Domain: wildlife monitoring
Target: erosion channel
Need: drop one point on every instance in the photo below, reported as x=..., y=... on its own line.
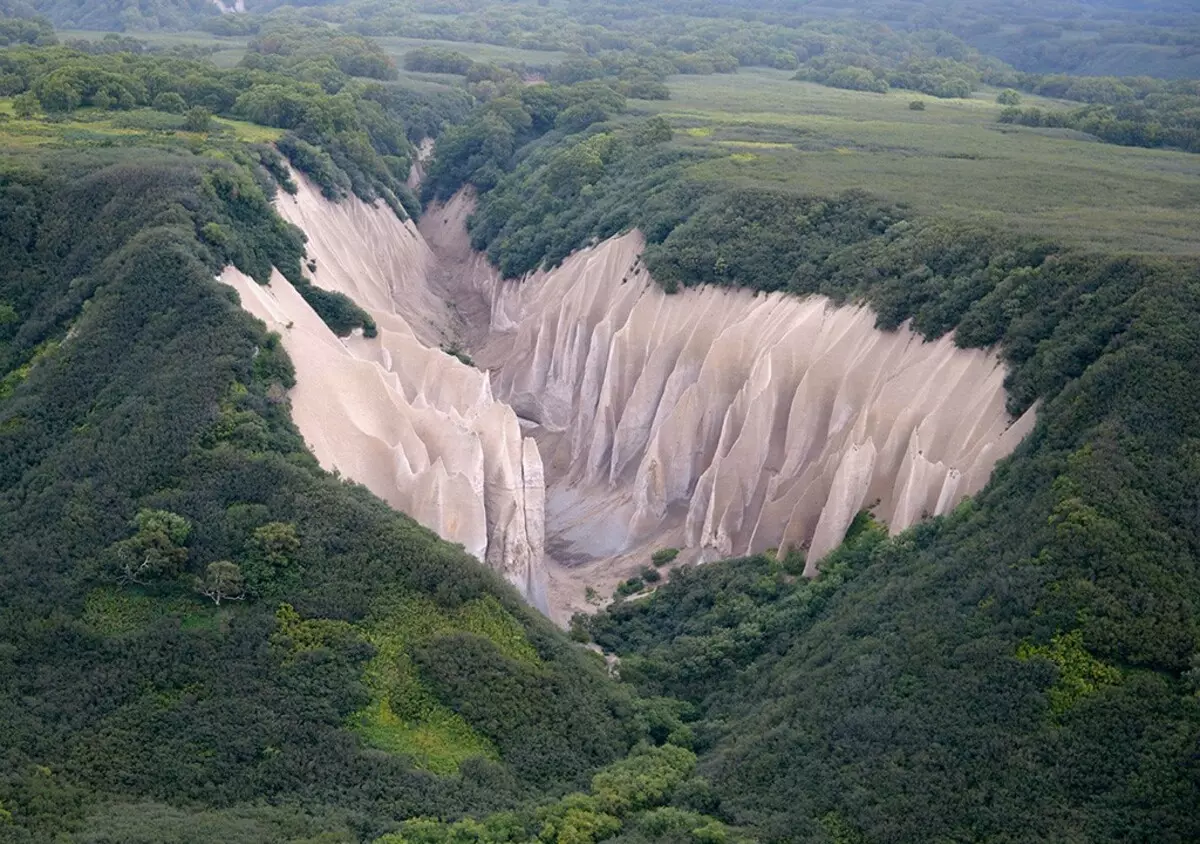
x=564, y=426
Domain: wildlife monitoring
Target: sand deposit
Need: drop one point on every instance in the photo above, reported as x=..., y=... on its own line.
x=714, y=420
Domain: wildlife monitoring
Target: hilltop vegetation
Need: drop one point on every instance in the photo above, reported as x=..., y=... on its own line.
x=205, y=637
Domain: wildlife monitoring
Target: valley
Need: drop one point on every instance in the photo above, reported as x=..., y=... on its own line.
x=601, y=419
x=542, y=422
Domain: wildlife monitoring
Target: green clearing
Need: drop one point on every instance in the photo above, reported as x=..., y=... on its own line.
x=112, y=612
x=228, y=50
x=90, y=126
x=952, y=159
x=251, y=133
x=398, y=47
x=404, y=716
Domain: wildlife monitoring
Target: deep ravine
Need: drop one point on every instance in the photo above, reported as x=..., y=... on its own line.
x=605, y=419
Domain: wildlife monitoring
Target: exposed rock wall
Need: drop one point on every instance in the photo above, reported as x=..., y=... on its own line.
x=724, y=420
x=395, y=412
x=715, y=420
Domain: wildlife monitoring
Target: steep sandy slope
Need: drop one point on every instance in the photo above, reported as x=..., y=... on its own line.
x=713, y=420
x=717, y=419
x=394, y=412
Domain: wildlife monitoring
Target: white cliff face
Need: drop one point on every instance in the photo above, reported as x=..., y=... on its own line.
x=721, y=420
x=413, y=424
x=714, y=420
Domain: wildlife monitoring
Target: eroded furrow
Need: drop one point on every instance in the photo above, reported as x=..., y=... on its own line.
x=608, y=419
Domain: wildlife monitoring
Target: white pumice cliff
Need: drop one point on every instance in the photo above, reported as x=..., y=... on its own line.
x=410, y=422
x=714, y=420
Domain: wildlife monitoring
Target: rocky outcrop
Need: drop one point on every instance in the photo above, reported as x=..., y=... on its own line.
x=412, y=423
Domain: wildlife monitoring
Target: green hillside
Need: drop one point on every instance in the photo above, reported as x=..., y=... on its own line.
x=205, y=637
x=143, y=442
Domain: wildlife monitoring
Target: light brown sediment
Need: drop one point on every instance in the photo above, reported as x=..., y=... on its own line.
x=714, y=420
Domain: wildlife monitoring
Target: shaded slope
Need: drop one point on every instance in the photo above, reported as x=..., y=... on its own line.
x=161, y=393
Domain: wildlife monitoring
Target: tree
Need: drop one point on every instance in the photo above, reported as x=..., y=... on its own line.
x=1008, y=97
x=271, y=557
x=917, y=105
x=25, y=105
x=223, y=581
x=644, y=778
x=656, y=130
x=197, y=119
x=155, y=551
x=663, y=556
x=57, y=95
x=170, y=102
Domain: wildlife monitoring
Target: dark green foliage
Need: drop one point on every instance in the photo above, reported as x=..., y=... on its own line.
x=222, y=581
x=664, y=556
x=155, y=552
x=311, y=52
x=150, y=713
x=435, y=60
x=482, y=149
x=170, y=102
x=347, y=135
x=271, y=566
x=197, y=119
x=548, y=728
x=563, y=194
x=640, y=799
x=21, y=30
x=337, y=310
x=631, y=586
x=1173, y=124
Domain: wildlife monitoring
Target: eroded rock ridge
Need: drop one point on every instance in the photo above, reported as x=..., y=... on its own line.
x=395, y=412
x=714, y=420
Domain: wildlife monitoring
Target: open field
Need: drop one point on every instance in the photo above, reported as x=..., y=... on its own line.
x=952, y=159
x=88, y=126
x=397, y=47
x=229, y=53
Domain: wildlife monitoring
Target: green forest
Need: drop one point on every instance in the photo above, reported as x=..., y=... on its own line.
x=206, y=637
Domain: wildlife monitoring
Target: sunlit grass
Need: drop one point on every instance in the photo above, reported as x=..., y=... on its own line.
x=404, y=716
x=756, y=144
x=249, y=132
x=951, y=159
x=398, y=47
x=92, y=126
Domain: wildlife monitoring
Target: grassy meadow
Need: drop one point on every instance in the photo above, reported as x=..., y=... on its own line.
x=96, y=127
x=398, y=47
x=952, y=159
x=228, y=50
